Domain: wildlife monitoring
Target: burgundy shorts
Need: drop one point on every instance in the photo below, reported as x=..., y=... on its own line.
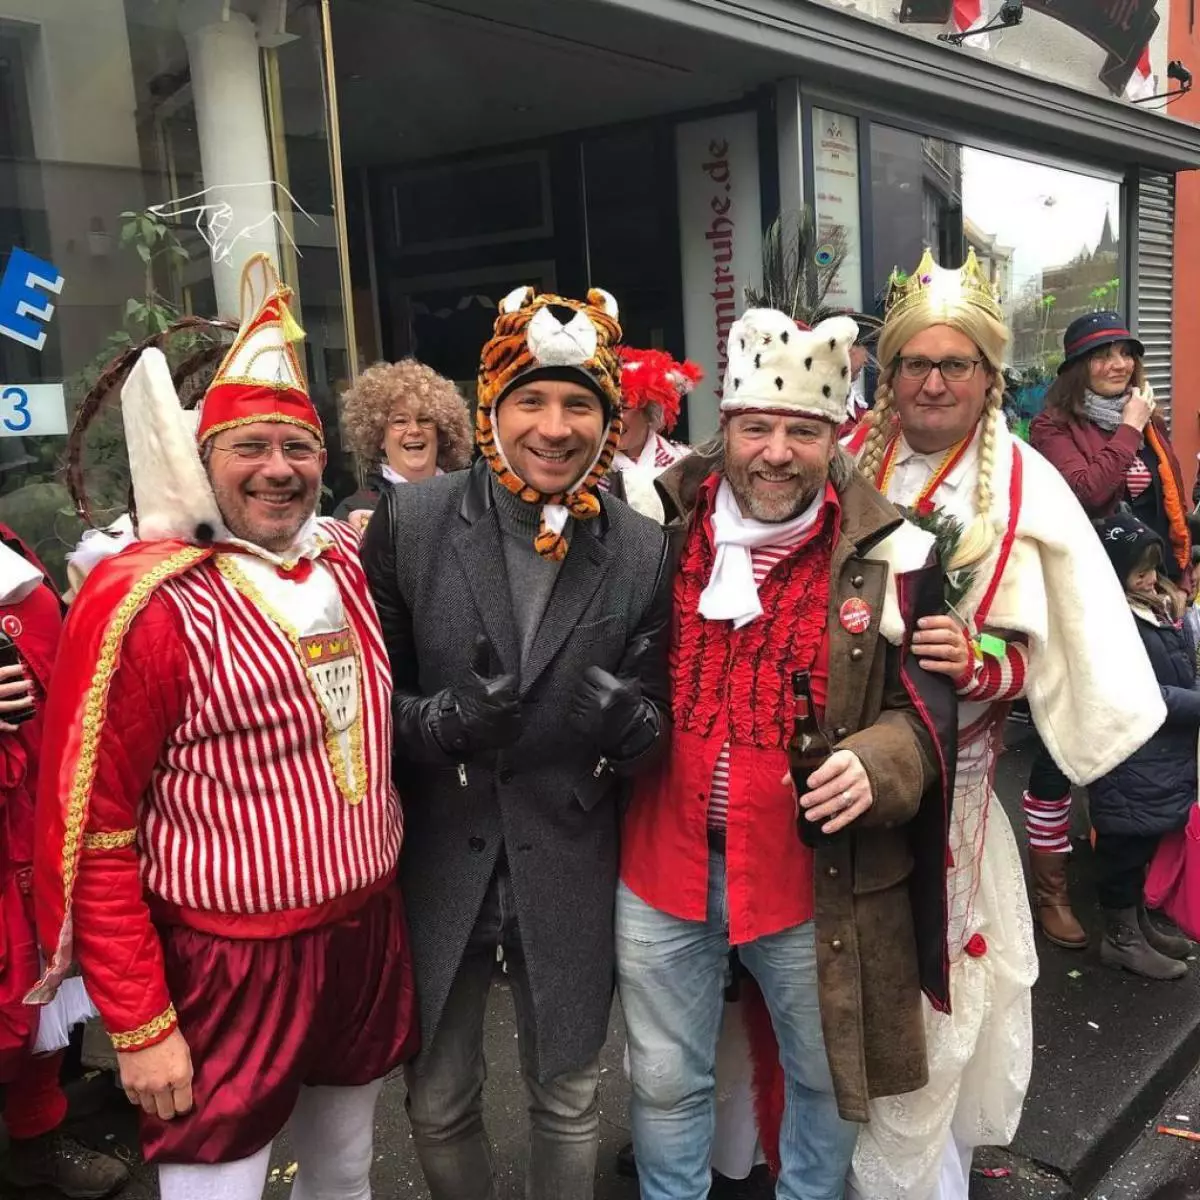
x=331, y=1007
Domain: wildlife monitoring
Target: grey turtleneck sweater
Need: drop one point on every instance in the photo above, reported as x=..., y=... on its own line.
x=530, y=576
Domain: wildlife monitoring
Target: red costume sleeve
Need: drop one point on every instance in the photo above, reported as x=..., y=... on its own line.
x=119, y=687
x=998, y=679
x=116, y=946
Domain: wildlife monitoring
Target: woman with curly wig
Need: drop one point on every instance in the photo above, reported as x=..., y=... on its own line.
x=409, y=422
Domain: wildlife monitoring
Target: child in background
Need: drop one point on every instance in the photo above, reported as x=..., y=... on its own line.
x=1153, y=791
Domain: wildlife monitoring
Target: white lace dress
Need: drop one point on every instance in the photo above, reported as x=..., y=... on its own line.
x=918, y=1146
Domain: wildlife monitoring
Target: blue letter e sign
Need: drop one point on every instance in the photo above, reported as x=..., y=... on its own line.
x=24, y=308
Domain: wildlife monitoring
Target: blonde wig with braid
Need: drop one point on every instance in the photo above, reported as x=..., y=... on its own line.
x=971, y=312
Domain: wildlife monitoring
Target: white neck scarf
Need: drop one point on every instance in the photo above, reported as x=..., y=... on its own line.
x=393, y=476
x=731, y=593
x=645, y=458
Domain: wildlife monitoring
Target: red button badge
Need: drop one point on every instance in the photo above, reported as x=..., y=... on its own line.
x=855, y=615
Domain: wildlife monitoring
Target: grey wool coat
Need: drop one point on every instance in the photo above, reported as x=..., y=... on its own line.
x=434, y=558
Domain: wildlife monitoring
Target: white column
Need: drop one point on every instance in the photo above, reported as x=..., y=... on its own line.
x=231, y=123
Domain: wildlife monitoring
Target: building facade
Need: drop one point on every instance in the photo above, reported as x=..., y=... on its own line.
x=409, y=161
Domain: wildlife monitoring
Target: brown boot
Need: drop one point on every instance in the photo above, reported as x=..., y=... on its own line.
x=1051, y=901
x=64, y=1167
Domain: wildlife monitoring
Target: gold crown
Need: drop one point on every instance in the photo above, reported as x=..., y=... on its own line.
x=942, y=290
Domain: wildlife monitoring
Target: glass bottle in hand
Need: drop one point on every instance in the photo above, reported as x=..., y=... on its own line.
x=807, y=749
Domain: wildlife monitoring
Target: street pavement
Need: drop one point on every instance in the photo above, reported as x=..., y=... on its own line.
x=1109, y=1050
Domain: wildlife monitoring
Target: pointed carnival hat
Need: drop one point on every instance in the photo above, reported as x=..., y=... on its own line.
x=261, y=378
x=551, y=337
x=776, y=366
x=653, y=377
x=258, y=380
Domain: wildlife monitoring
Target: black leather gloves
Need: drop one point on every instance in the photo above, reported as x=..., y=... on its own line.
x=484, y=713
x=614, y=712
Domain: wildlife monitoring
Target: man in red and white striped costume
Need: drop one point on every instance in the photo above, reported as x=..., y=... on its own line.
x=218, y=831
x=1037, y=606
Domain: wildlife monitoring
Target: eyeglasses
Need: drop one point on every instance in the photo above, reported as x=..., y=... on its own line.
x=404, y=422
x=295, y=452
x=953, y=370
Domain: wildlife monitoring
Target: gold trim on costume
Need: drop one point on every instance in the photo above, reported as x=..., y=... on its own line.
x=353, y=790
x=136, y=1038
x=280, y=292
x=254, y=420
x=110, y=841
x=95, y=706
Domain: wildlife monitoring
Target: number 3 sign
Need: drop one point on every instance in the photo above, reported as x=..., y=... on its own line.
x=32, y=409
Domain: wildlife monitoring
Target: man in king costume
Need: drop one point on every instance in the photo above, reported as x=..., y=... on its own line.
x=218, y=831
x=1038, y=602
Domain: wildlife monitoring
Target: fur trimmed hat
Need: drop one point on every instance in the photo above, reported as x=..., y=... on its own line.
x=776, y=366
x=654, y=377
x=547, y=336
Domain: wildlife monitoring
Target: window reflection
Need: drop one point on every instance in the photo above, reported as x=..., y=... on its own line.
x=110, y=110
x=1048, y=238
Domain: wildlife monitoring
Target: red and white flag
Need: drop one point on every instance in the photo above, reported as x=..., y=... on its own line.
x=971, y=14
x=1141, y=83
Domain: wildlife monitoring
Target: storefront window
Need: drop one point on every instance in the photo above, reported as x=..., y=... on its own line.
x=836, y=183
x=147, y=149
x=1049, y=238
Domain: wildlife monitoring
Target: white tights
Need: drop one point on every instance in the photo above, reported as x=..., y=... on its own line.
x=332, y=1130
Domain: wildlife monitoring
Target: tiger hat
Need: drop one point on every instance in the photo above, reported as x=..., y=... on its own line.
x=543, y=336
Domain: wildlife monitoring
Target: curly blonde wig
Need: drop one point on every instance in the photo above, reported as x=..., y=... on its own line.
x=367, y=407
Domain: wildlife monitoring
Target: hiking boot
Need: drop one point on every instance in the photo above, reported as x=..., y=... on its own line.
x=1173, y=945
x=61, y=1164
x=1125, y=947
x=1052, y=902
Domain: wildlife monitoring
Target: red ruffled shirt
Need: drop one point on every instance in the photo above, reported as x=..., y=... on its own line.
x=733, y=686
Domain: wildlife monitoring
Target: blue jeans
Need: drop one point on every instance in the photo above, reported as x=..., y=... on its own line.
x=672, y=977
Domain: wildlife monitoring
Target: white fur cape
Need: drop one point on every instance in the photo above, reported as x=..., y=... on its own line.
x=1091, y=691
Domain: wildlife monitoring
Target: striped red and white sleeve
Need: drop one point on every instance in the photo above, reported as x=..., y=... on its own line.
x=998, y=678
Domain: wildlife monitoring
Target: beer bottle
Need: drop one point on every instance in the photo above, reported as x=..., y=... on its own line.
x=9, y=657
x=807, y=749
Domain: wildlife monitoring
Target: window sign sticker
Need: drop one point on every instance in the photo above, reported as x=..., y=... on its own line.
x=32, y=409
x=219, y=215
x=24, y=306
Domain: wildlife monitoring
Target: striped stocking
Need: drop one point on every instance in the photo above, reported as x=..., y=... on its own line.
x=1048, y=823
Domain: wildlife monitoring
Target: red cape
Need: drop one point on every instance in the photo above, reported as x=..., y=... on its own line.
x=106, y=607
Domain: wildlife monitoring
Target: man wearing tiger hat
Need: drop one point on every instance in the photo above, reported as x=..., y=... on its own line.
x=1030, y=600
x=526, y=616
x=218, y=831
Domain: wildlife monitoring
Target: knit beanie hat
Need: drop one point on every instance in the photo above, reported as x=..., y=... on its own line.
x=776, y=366
x=1125, y=539
x=546, y=336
